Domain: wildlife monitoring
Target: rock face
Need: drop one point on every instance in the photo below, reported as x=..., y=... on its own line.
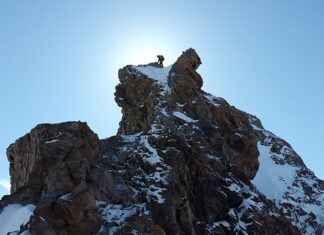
x=184, y=80
x=182, y=162
x=51, y=167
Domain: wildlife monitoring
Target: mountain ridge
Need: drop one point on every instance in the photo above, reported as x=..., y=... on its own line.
x=183, y=162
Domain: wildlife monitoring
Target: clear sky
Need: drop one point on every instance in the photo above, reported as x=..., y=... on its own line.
x=59, y=62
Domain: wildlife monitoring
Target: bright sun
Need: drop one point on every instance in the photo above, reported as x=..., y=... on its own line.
x=144, y=56
x=144, y=52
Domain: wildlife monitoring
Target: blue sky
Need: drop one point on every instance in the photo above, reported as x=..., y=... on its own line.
x=59, y=62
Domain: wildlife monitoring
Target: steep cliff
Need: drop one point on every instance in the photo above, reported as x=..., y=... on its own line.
x=182, y=162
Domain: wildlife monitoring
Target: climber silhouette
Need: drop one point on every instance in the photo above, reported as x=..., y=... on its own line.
x=160, y=60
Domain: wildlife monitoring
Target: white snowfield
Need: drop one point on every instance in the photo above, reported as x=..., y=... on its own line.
x=283, y=183
x=13, y=216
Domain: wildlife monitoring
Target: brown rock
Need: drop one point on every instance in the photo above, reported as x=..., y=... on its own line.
x=184, y=80
x=57, y=160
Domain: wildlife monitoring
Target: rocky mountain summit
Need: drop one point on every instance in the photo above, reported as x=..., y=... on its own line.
x=183, y=162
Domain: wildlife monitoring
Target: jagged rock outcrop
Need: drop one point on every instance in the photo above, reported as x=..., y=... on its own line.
x=52, y=167
x=182, y=162
x=184, y=81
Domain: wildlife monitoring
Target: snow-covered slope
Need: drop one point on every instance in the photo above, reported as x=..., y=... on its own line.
x=283, y=178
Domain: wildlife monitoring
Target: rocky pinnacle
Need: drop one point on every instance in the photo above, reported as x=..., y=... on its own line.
x=182, y=162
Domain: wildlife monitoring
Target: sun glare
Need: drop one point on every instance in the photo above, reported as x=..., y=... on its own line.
x=145, y=51
x=144, y=56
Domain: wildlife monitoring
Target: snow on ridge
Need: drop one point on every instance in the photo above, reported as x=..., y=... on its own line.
x=13, y=216
x=158, y=74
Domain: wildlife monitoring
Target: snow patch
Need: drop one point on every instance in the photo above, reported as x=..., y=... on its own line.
x=184, y=117
x=66, y=197
x=153, y=157
x=13, y=216
x=213, y=100
x=273, y=180
x=282, y=182
x=130, y=138
x=116, y=215
x=51, y=141
x=180, y=105
x=219, y=223
x=154, y=192
x=164, y=112
x=158, y=74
